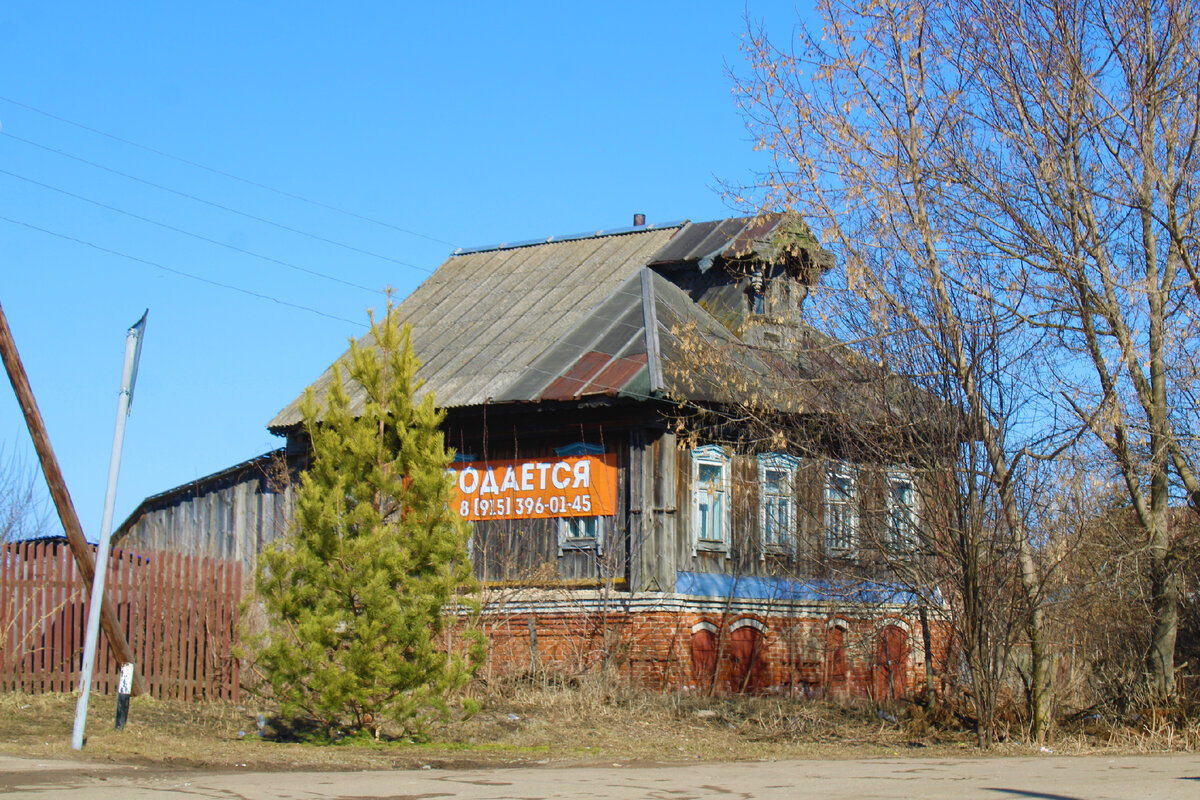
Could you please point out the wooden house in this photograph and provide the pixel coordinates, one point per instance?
(621, 514)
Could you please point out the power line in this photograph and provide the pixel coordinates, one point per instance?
(225, 174)
(213, 204)
(180, 272)
(201, 237)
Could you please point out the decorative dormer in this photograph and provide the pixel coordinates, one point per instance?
(749, 272)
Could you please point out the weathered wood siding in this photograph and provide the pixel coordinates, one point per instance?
(646, 543)
(807, 558)
(527, 550)
(653, 509)
(231, 517)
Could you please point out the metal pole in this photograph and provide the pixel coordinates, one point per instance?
(133, 349)
(58, 490)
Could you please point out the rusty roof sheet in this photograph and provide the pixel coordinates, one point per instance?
(601, 354)
(483, 317)
(640, 342)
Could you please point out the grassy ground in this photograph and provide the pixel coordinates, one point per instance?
(524, 724)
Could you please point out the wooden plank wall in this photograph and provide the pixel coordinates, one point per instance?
(526, 550)
(652, 506)
(232, 521)
(808, 559)
(180, 614)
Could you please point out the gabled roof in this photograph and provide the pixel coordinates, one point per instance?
(570, 317)
(628, 346)
(484, 316)
(703, 242)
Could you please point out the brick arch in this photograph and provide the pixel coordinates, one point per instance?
(837, 673)
(891, 662)
(704, 654)
(758, 625)
(748, 656)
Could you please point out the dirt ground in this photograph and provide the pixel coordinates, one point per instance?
(1048, 777)
(529, 726)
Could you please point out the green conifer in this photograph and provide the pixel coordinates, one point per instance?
(357, 597)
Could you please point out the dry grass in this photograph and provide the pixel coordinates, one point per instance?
(543, 721)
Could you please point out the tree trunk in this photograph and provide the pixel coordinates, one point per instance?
(1039, 683)
(1164, 586)
(927, 640)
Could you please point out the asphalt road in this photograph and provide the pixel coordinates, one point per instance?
(1045, 778)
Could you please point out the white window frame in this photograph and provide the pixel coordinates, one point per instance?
(569, 538)
(711, 455)
(902, 535)
(841, 470)
(777, 462)
(568, 531)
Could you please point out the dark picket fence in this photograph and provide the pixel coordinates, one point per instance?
(179, 613)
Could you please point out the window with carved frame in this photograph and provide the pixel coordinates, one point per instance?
(841, 509)
(711, 499)
(777, 501)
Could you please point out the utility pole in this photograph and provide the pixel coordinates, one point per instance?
(133, 352)
(58, 491)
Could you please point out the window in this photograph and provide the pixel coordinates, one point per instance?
(580, 533)
(777, 501)
(710, 499)
(901, 510)
(841, 512)
(579, 449)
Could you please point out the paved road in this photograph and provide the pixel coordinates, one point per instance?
(1042, 778)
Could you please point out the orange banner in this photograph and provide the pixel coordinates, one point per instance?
(536, 488)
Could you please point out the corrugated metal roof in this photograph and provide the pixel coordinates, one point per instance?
(609, 351)
(703, 242)
(703, 361)
(569, 237)
(484, 317)
(601, 354)
(577, 317)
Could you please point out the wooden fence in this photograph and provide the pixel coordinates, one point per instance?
(180, 614)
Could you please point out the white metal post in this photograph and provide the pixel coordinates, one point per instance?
(133, 350)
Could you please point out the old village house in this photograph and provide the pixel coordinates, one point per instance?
(620, 517)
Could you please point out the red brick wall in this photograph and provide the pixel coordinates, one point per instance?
(654, 649)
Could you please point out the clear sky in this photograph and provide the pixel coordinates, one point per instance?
(413, 128)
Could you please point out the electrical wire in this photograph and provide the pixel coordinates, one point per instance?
(183, 273)
(225, 174)
(198, 236)
(213, 204)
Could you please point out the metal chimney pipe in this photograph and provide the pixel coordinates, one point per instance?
(639, 220)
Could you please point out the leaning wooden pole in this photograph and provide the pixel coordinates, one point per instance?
(62, 498)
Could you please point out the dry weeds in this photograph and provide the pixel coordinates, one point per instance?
(542, 722)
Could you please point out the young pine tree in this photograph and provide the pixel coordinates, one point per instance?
(356, 598)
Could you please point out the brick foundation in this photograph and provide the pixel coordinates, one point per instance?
(811, 652)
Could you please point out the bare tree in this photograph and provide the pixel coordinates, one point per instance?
(861, 118)
(24, 512)
(1079, 131)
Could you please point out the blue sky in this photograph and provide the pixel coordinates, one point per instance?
(443, 125)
